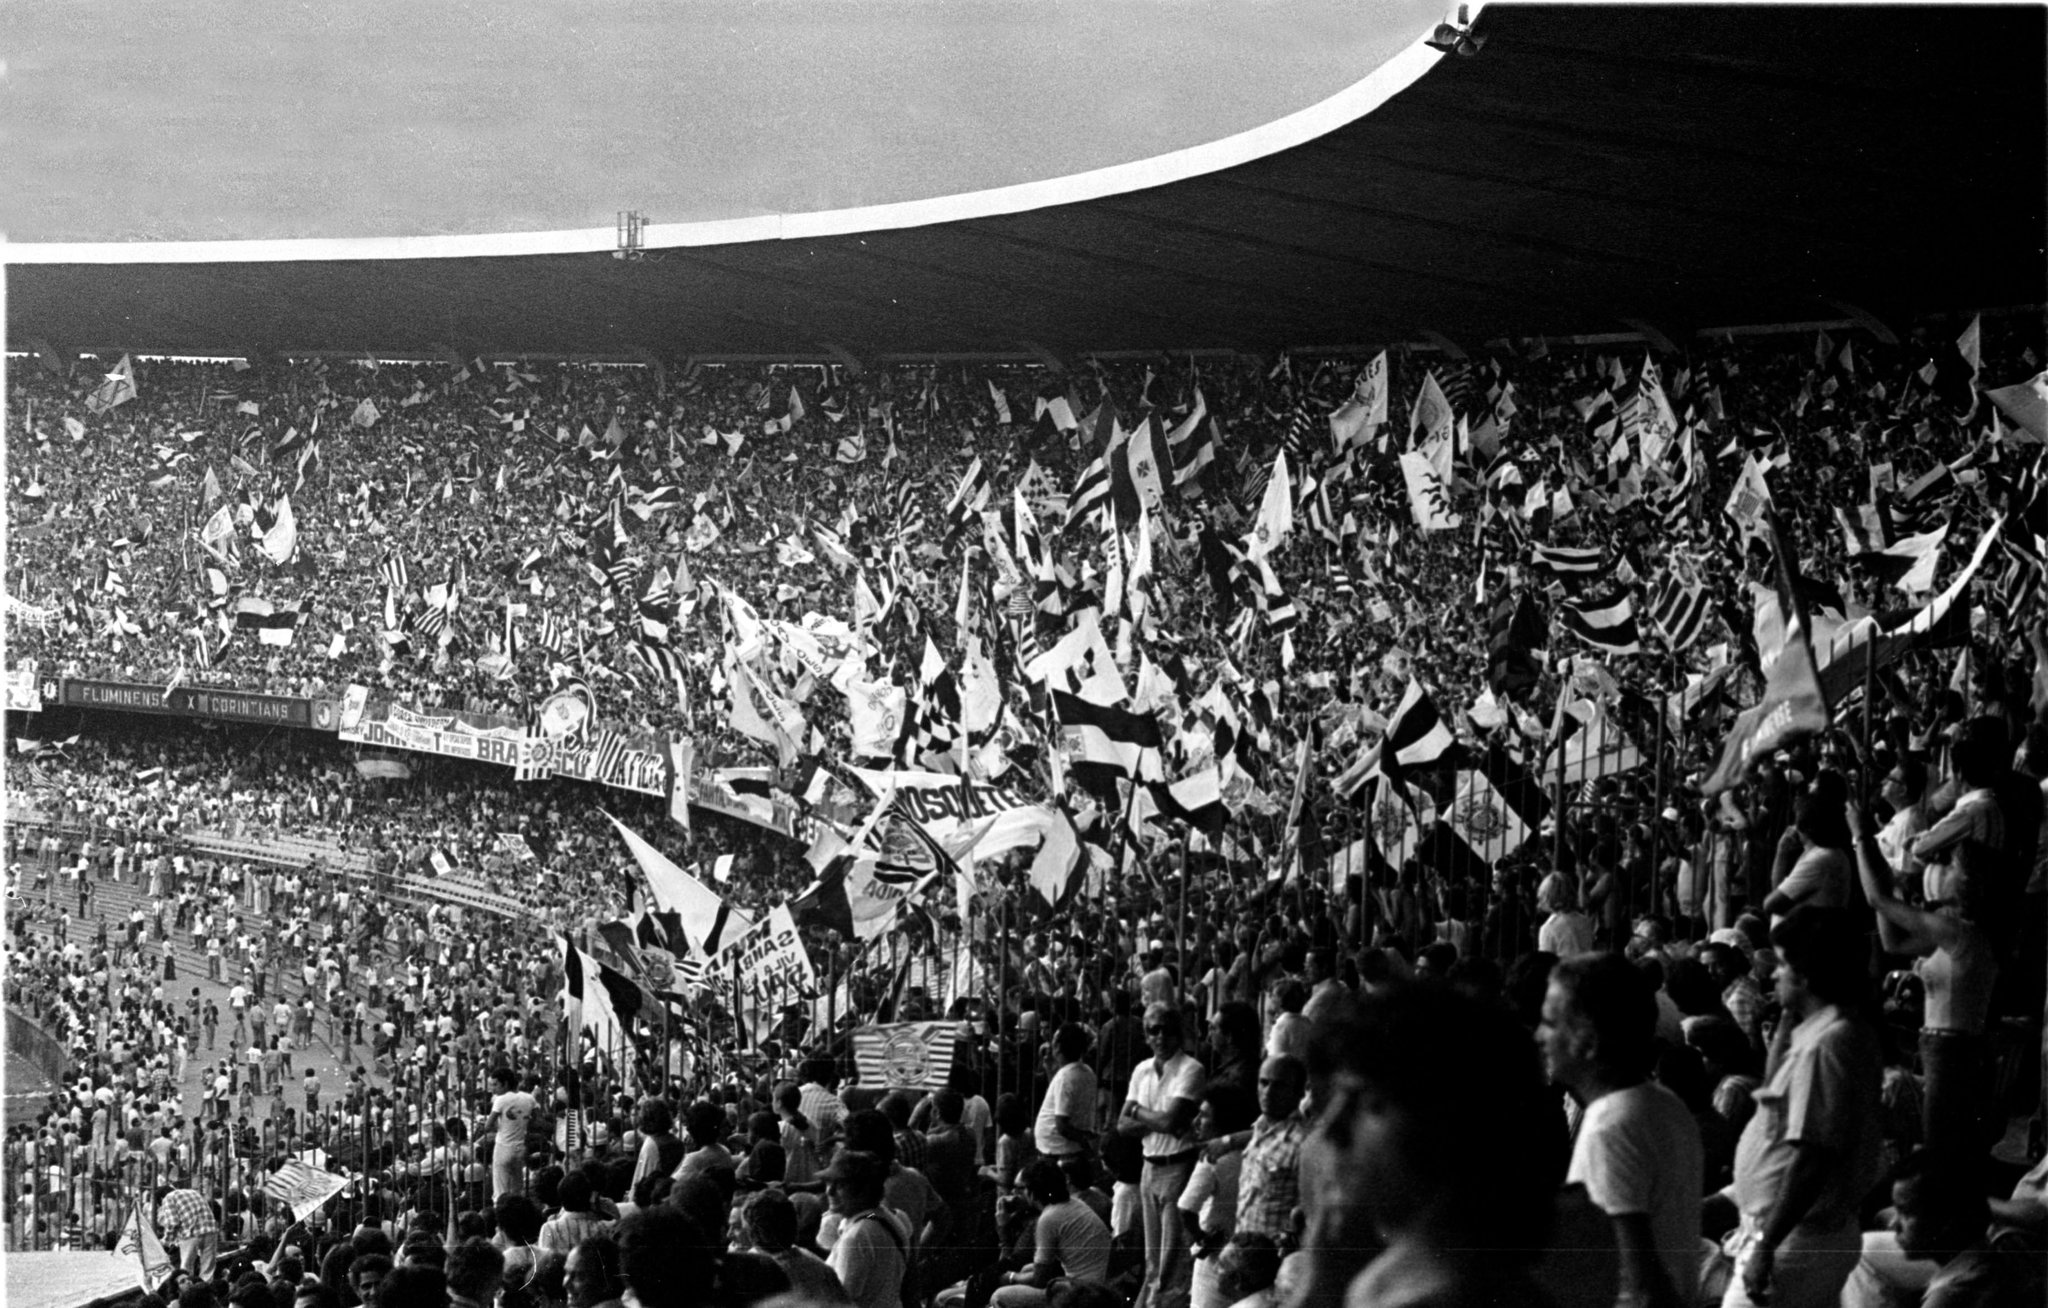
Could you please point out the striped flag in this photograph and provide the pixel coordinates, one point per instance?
(1569, 562)
(554, 636)
(1091, 490)
(1608, 623)
(906, 1055)
(1104, 744)
(597, 999)
(1195, 453)
(1673, 503)
(302, 1187)
(1679, 609)
(610, 751)
(1417, 737)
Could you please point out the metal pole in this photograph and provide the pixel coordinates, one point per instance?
(1180, 921)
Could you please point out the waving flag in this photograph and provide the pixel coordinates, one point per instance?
(1679, 609)
(140, 1241)
(1566, 562)
(281, 541)
(708, 922)
(1429, 498)
(1484, 820)
(1608, 623)
(1276, 512)
(1104, 744)
(1794, 703)
(116, 390)
(1366, 410)
(302, 1187)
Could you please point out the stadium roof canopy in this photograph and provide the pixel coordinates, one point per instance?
(1590, 170)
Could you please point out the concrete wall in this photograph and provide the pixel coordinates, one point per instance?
(27, 1040)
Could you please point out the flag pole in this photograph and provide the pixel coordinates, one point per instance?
(1180, 921)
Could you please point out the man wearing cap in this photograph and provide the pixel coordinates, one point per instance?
(871, 1253)
(1165, 1094)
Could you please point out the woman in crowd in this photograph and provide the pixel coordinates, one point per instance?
(1958, 965)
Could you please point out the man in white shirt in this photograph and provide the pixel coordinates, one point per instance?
(1638, 1151)
(1066, 1119)
(1566, 931)
(1165, 1094)
(511, 1110)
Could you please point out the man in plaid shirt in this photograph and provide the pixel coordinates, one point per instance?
(185, 1218)
(1269, 1184)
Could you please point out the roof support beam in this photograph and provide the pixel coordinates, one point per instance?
(1867, 320)
(1451, 349)
(54, 357)
(1659, 341)
(847, 359)
(1053, 363)
(647, 358)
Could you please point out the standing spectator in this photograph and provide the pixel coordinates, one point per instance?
(660, 1151)
(1289, 1031)
(1326, 994)
(1208, 1206)
(1565, 930)
(1638, 1151)
(820, 1102)
(1066, 1116)
(798, 1136)
(1269, 1183)
(1165, 1095)
(1813, 855)
(1958, 965)
(1119, 1043)
(185, 1220)
(708, 1157)
(511, 1110)
(1811, 1153)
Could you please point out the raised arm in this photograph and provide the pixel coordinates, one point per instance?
(1901, 928)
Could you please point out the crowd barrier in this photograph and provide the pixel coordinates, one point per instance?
(80, 1197)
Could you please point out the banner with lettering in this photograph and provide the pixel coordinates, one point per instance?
(977, 820)
(188, 702)
(771, 958)
(486, 738)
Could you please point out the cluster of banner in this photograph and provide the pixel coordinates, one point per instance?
(485, 738)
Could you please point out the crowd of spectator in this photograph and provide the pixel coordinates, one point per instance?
(1778, 1046)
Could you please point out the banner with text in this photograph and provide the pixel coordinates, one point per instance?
(189, 702)
(484, 738)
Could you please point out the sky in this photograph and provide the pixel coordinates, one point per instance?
(208, 120)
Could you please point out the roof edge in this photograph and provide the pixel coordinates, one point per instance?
(1346, 106)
